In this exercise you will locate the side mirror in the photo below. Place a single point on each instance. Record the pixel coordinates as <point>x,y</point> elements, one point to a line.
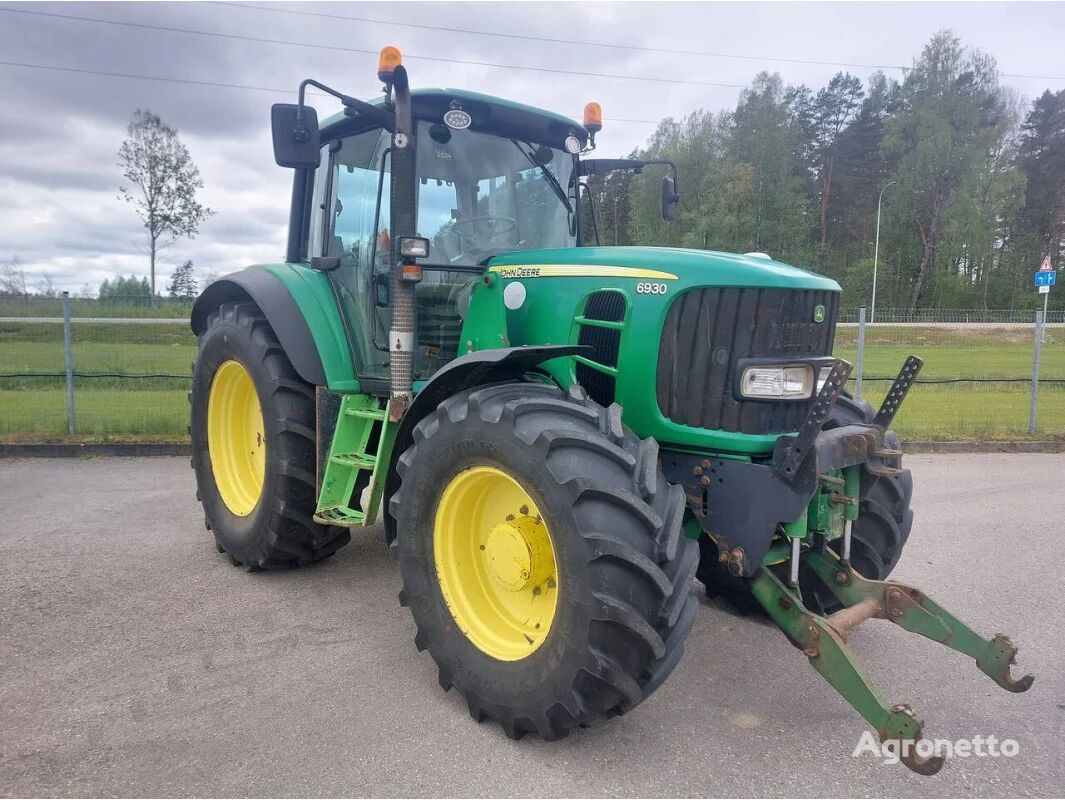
<point>669,199</point>
<point>296,137</point>
<point>380,286</point>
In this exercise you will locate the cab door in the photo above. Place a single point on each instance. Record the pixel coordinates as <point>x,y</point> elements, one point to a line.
<point>350,221</point>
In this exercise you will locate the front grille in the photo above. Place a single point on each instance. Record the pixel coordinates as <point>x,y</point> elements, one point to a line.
<point>708,330</point>
<point>608,306</point>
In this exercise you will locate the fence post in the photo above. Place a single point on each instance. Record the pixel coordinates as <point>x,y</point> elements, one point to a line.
<point>68,358</point>
<point>859,364</point>
<point>1037,346</point>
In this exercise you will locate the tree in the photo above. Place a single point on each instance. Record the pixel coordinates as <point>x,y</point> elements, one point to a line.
<point>164,184</point>
<point>833,108</point>
<point>125,289</point>
<point>183,283</point>
<point>12,279</point>
<point>953,114</point>
<point>768,133</point>
<point>1041,156</point>
<point>46,288</point>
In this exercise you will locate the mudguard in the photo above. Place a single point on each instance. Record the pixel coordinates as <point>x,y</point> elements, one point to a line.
<point>473,369</point>
<point>278,306</point>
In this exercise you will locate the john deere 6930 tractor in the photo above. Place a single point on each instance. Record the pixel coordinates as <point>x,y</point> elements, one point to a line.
<point>557,436</point>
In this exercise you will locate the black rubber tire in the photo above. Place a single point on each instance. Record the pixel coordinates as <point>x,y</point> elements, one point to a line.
<point>877,536</point>
<point>280,531</point>
<point>625,601</point>
<point>884,514</point>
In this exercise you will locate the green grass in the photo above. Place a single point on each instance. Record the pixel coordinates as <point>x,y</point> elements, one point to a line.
<point>102,414</point>
<point>982,412</point>
<point>33,409</point>
<point>53,307</point>
<point>999,353</point>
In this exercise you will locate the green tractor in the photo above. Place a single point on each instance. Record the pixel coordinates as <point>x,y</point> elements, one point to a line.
<point>444,351</point>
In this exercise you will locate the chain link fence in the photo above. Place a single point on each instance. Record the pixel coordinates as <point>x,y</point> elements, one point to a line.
<point>129,375</point>
<point>124,307</point>
<point>951,316</point>
<point>978,380</point>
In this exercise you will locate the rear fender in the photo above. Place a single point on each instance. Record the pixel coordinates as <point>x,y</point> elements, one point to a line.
<point>299,305</point>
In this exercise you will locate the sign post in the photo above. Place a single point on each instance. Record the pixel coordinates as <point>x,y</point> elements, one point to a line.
<point>1045,277</point>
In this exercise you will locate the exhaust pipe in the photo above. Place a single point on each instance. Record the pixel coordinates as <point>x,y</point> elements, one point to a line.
<point>401,327</point>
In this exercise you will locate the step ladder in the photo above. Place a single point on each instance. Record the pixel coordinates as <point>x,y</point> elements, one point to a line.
<point>362,442</point>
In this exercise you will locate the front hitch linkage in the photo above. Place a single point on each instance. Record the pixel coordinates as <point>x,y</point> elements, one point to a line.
<point>824,641</point>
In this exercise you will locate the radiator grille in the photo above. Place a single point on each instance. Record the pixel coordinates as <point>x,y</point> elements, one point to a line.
<point>708,330</point>
<point>608,306</point>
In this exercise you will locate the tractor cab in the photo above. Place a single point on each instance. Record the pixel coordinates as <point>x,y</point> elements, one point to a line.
<point>490,177</point>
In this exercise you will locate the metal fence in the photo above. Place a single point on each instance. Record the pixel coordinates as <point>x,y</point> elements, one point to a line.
<point>127,378</point>
<point>94,377</point>
<point>990,379</point>
<point>40,306</point>
<point>952,316</point>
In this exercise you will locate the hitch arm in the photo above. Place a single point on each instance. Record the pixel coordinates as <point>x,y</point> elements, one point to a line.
<point>829,655</point>
<point>897,393</point>
<point>912,610</point>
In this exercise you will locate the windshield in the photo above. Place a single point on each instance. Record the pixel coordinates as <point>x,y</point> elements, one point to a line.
<point>480,195</point>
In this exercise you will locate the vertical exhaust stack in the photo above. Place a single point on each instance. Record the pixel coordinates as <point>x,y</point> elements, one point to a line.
<point>401,328</point>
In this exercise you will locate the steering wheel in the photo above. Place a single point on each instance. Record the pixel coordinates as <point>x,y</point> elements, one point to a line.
<point>477,233</point>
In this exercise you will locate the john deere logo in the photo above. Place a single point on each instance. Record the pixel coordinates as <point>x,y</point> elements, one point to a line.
<point>819,313</point>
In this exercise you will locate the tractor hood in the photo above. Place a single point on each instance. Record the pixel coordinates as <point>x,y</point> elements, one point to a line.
<point>689,267</point>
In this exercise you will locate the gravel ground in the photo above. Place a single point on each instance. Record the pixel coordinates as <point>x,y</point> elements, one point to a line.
<point>137,661</point>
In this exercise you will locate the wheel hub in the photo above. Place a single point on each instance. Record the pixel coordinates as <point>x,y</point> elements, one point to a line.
<point>495,562</point>
<point>519,554</point>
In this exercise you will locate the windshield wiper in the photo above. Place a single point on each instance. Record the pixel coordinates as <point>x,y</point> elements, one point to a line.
<point>548,174</point>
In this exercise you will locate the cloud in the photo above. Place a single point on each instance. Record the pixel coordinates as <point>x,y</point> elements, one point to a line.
<point>59,131</point>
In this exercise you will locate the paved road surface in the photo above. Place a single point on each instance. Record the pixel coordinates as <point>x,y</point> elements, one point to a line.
<point>134,660</point>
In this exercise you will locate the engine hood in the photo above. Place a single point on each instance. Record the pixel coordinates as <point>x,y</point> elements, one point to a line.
<point>691,267</point>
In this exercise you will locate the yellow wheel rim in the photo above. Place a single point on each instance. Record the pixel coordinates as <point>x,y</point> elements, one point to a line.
<point>236,440</point>
<point>495,563</point>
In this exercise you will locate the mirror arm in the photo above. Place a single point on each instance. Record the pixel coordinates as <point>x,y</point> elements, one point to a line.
<point>381,116</point>
<point>672,168</point>
<point>598,166</point>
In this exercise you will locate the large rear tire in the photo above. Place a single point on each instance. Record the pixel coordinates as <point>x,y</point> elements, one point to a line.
<point>568,608</point>
<point>253,445</point>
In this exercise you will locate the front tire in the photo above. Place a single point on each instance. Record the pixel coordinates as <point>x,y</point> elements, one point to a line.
<point>614,605</point>
<point>253,445</point>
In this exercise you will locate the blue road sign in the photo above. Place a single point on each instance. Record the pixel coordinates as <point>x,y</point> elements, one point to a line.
<point>1046,278</point>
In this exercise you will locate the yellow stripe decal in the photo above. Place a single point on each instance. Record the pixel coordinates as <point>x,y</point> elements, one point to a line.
<point>580,271</point>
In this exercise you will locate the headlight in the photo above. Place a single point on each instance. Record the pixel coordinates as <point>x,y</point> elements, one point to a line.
<point>783,383</point>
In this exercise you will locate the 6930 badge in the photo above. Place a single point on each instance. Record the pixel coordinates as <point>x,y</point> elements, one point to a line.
<point>644,287</point>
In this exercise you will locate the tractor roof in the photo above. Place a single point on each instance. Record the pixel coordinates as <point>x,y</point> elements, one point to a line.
<point>491,114</point>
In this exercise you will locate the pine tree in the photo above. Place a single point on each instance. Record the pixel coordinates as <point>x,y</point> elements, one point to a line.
<point>183,284</point>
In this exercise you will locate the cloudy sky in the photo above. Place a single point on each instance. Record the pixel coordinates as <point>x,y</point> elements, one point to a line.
<point>59,130</point>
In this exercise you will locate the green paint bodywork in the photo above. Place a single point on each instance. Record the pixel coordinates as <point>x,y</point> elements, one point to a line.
<point>550,315</point>
<point>362,443</point>
<point>552,303</point>
<point>313,294</point>
<point>824,640</point>
<point>472,98</point>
